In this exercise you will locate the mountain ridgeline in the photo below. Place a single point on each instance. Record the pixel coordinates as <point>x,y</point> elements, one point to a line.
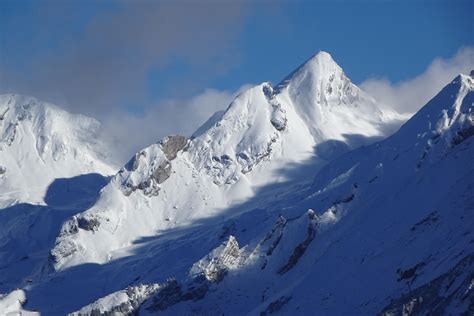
<point>307,197</point>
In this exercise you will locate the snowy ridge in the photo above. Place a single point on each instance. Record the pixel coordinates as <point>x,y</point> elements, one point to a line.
<point>225,161</point>
<point>39,143</point>
<point>124,302</point>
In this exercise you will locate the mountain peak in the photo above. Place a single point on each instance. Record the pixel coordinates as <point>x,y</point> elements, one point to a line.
<point>322,57</point>
<point>321,67</point>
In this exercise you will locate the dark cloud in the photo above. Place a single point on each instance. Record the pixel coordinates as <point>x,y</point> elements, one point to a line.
<point>105,61</point>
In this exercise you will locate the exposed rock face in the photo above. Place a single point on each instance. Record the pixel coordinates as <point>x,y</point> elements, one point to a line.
<point>88,222</point>
<point>173,292</point>
<point>162,173</point>
<point>171,145</point>
<point>275,235</point>
<point>210,269</point>
<point>301,248</point>
<point>151,167</point>
<point>9,133</point>
<point>170,295</point>
<point>62,250</point>
<point>65,248</point>
<point>124,302</point>
<point>278,118</point>
<point>465,132</point>
<point>276,306</point>
<point>450,294</point>
<point>249,162</point>
<point>215,265</point>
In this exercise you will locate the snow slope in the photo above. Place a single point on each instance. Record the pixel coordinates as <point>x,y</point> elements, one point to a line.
<point>52,165</point>
<point>384,229</point>
<point>40,143</point>
<point>312,116</point>
<point>11,304</point>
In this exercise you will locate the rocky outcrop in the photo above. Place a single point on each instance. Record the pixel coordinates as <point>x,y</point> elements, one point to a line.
<point>151,167</point>
<point>300,249</point>
<point>3,170</point>
<point>125,302</point>
<point>3,113</point>
<point>450,294</point>
<point>248,162</point>
<point>278,118</point>
<point>276,305</point>
<point>62,250</point>
<point>9,133</point>
<point>464,133</point>
<point>65,247</point>
<point>171,145</point>
<point>173,292</point>
<point>210,269</point>
<point>275,235</point>
<point>216,264</point>
<point>88,222</point>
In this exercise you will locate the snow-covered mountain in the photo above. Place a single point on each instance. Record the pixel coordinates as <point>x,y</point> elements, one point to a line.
<point>39,143</point>
<point>52,165</point>
<point>385,229</point>
<point>313,115</point>
<point>288,202</point>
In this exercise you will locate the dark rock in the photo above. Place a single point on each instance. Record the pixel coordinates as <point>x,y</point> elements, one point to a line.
<point>299,251</point>
<point>172,145</point>
<point>170,295</point>
<point>276,306</point>
<point>452,291</point>
<point>86,223</point>
<point>163,172</point>
<point>136,296</point>
<point>462,135</point>
<point>432,218</point>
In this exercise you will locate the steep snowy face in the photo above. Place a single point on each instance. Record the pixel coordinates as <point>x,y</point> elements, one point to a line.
<point>329,103</point>
<point>395,216</point>
<point>253,129</point>
<point>315,115</point>
<point>447,119</point>
<point>39,143</point>
<point>314,111</point>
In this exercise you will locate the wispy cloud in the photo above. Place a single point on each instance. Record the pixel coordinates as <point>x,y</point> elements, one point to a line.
<point>128,133</point>
<point>410,95</point>
<point>105,63</point>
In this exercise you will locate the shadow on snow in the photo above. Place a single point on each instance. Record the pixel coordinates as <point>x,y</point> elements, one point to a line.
<point>69,290</point>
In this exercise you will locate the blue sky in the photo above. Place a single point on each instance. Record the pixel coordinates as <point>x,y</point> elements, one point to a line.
<point>155,58</point>
<point>393,39</point>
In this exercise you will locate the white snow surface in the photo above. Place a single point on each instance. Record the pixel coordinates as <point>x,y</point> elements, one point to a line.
<point>39,143</point>
<point>312,117</point>
<point>11,304</point>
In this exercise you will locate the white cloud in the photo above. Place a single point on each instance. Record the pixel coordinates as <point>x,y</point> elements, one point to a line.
<point>410,95</point>
<point>128,133</point>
